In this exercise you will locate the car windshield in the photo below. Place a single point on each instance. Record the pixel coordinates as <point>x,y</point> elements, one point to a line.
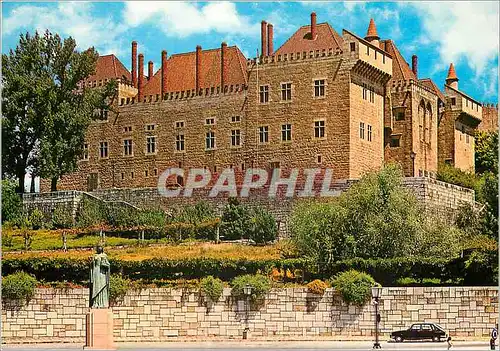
<point>439,327</point>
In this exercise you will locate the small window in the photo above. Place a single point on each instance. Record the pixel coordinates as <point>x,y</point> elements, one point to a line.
<point>275,165</point>
<point>151,144</point>
<point>103,149</point>
<point>85,155</point>
<point>319,129</point>
<point>453,101</point>
<point>319,87</point>
<point>209,121</point>
<point>448,161</point>
<point>123,175</point>
<point>399,116</point>
<point>127,129</point>
<point>146,173</point>
<point>372,94</point>
<point>179,142</point>
<point>235,137</point>
<point>353,46</point>
<point>362,130</point>
<point>179,124</point>
<point>286,91</point>
<point>210,140</point>
<point>467,138</point>
<point>155,172</point>
<point>127,147</point>
<point>369,133</point>
<point>263,134</point>
<point>365,92</point>
<point>368,50</point>
<point>132,175</point>
<point>264,94</point>
<point>395,141</point>
<point>286,132</point>
<point>235,119</point>
<point>150,127</point>
<point>318,159</point>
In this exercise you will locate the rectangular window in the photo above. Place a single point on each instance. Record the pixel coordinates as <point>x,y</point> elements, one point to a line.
<point>179,124</point>
<point>85,155</point>
<point>210,140</point>
<point>372,95</point>
<point>368,50</point>
<point>103,149</point>
<point>209,121</point>
<point>365,92</point>
<point>151,144</point>
<point>453,101</point>
<point>235,119</point>
<point>286,132</point>
<point>264,94</point>
<point>235,137</point>
<point>395,141</point>
<point>467,138</point>
<point>179,142</point>
<point>318,159</point>
<point>319,87</point>
<point>146,173</point>
<point>319,129</point>
<point>353,46</point>
<point>150,127</point>
<point>286,91</point>
<point>369,133</point>
<point>127,147</point>
<point>399,116</point>
<point>361,130</point>
<point>275,165</point>
<point>263,134</point>
<point>127,129</point>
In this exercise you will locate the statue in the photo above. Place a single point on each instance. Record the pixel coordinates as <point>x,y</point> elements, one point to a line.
<point>99,280</point>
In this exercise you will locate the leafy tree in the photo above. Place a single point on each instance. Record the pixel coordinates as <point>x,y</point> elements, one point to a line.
<point>11,202</point>
<point>236,220</point>
<point>449,174</point>
<point>486,152</point>
<point>263,226</point>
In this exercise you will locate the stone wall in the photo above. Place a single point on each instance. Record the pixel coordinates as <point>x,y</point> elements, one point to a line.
<point>165,314</point>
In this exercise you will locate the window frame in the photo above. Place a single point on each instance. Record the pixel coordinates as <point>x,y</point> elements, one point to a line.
<point>210,136</point>
<point>129,147</point>
<point>319,88</point>
<point>319,125</point>
<point>286,131</point>
<point>235,138</point>
<point>103,146</point>
<point>148,143</point>
<point>286,91</point>
<point>180,142</point>
<point>264,92</point>
<point>263,134</point>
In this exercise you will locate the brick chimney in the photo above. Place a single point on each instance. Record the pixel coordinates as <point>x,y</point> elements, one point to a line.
<point>163,74</point>
<point>140,78</point>
<point>223,66</point>
<point>414,65</point>
<point>150,70</point>
<point>313,26</point>
<point>263,38</point>
<point>134,64</point>
<point>270,35</point>
<point>198,69</point>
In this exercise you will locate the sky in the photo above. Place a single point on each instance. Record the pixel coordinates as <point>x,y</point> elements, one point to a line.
<point>465,33</point>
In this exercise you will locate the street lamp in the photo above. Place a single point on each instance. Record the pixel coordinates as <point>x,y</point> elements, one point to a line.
<point>376,292</point>
<point>412,156</point>
<point>247,290</point>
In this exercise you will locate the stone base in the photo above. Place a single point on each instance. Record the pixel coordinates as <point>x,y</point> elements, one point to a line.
<point>99,330</point>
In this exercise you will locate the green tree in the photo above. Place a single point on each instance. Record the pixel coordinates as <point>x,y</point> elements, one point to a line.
<point>236,221</point>
<point>12,204</point>
<point>263,227</point>
<point>486,152</point>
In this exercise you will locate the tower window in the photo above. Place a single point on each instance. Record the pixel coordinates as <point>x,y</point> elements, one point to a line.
<point>362,130</point>
<point>353,46</point>
<point>369,133</point>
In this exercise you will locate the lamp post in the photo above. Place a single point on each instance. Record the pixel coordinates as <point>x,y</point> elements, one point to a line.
<point>412,156</point>
<point>247,290</point>
<point>376,292</point>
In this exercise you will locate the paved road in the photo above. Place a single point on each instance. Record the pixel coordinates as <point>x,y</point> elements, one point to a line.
<point>265,346</point>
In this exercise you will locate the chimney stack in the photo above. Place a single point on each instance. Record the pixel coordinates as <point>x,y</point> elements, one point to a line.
<point>263,38</point>
<point>140,79</point>
<point>134,64</point>
<point>198,69</point>
<point>270,35</point>
<point>223,66</point>
<point>163,74</point>
<point>414,65</point>
<point>150,70</point>
<point>313,25</point>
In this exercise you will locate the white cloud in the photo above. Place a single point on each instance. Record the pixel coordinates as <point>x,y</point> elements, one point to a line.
<point>463,31</point>
<point>182,19</point>
<point>67,19</point>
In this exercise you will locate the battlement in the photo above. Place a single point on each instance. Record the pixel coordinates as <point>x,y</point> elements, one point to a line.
<point>298,56</point>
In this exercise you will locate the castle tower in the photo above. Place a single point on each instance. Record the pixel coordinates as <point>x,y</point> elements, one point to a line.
<point>452,79</point>
<point>371,34</point>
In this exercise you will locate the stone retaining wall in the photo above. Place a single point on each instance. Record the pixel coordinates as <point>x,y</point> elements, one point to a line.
<point>166,314</point>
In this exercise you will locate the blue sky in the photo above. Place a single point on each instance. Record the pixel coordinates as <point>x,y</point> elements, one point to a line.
<point>465,33</point>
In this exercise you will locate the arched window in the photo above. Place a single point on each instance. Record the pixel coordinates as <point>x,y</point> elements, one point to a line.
<point>428,125</point>
<point>421,120</point>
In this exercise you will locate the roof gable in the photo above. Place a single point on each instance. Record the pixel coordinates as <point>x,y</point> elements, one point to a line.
<point>400,68</point>
<point>431,85</point>
<point>109,67</point>
<point>301,41</point>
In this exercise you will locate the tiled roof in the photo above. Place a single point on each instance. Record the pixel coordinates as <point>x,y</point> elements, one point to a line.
<point>452,74</point>
<point>301,41</point>
<point>372,30</point>
<point>109,67</point>
<point>430,84</point>
<point>400,68</point>
<point>181,70</point>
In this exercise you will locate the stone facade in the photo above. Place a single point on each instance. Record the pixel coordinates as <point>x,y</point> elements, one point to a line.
<point>166,314</point>
<point>490,118</point>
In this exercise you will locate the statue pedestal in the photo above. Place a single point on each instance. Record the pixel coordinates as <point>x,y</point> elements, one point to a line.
<point>99,330</point>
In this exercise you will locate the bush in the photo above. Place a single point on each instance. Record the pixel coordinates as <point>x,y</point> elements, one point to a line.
<point>212,288</point>
<point>37,219</point>
<point>62,217</point>
<point>317,287</point>
<point>263,227</point>
<point>118,287</point>
<point>18,287</point>
<point>122,216</point>
<point>355,287</point>
<point>236,221</point>
<point>260,286</point>
<point>91,213</point>
<point>449,174</point>
<point>12,204</point>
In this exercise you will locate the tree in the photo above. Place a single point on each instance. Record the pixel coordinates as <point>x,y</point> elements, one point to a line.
<point>263,227</point>
<point>486,152</point>
<point>12,205</point>
<point>236,222</point>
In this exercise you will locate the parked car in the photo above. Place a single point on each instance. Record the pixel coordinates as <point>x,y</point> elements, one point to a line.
<point>420,331</point>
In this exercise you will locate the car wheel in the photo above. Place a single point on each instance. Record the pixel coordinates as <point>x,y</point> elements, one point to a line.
<point>436,338</point>
<point>398,339</point>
